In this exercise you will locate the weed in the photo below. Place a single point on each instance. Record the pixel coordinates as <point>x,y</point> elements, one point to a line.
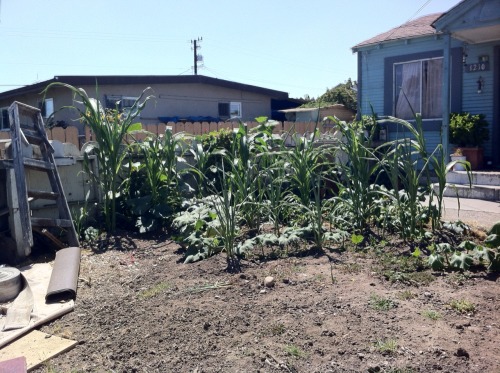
<point>294,351</point>
<point>379,303</point>
<point>201,288</point>
<point>277,329</point>
<point>387,346</point>
<point>462,306</point>
<point>406,295</point>
<point>154,291</point>
<point>431,314</point>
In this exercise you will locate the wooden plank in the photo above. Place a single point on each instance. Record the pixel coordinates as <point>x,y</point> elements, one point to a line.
<point>88,134</point>
<point>214,126</point>
<point>196,128</point>
<point>20,224</point>
<point>71,133</point>
<point>48,222</point>
<point>205,128</point>
<point>59,134</point>
<point>55,241</point>
<point>37,347</point>
<point>38,165</point>
<point>188,128</point>
<point>160,128</point>
<point>42,194</point>
<point>6,164</point>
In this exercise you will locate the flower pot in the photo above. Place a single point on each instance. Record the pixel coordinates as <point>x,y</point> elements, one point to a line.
<point>475,157</point>
<point>458,166</point>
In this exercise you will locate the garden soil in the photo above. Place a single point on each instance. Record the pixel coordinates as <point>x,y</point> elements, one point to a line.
<point>140,309</point>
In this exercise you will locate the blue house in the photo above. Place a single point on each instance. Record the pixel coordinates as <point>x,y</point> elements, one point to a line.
<point>438,64</point>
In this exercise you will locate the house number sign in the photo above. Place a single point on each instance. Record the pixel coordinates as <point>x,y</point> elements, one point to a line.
<point>480,66</point>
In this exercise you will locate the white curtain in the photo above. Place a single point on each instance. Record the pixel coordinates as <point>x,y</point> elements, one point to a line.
<point>408,94</point>
<point>432,87</point>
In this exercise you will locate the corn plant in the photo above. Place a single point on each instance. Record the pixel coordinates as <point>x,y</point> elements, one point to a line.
<point>226,208</point>
<point>303,164</point>
<point>110,128</point>
<point>407,165</point>
<point>156,193</point>
<point>357,173</point>
<point>204,171</point>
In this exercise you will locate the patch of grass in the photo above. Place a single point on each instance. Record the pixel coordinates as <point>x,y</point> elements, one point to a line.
<point>406,295</point>
<point>431,314</point>
<point>387,346</point>
<point>408,270</point>
<point>462,306</point>
<point>457,278</point>
<point>277,329</point>
<point>294,351</point>
<point>154,291</point>
<point>379,303</point>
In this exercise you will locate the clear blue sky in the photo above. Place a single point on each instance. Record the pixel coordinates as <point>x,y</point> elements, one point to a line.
<point>297,46</point>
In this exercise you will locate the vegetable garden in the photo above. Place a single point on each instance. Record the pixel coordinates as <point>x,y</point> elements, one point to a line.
<point>235,251</point>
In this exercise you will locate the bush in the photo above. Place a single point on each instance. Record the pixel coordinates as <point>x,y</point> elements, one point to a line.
<point>468,130</point>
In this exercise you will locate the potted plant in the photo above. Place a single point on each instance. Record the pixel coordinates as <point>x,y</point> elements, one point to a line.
<point>459,158</point>
<point>469,132</point>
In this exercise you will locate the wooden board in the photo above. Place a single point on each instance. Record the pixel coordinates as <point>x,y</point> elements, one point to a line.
<point>37,347</point>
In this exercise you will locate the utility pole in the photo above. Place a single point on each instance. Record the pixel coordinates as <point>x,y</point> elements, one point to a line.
<point>195,54</point>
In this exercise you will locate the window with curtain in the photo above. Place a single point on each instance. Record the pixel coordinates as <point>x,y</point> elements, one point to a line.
<point>417,88</point>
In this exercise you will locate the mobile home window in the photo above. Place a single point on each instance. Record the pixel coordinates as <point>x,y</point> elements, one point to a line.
<point>230,109</point>
<point>122,103</point>
<point>418,87</point>
<point>4,119</point>
<point>47,107</point>
<point>235,109</point>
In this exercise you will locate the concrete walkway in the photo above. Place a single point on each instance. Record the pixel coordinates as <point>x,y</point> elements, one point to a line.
<point>475,212</point>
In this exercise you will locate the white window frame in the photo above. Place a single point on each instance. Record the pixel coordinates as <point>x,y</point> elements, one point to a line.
<point>421,94</point>
<point>47,107</point>
<point>235,109</point>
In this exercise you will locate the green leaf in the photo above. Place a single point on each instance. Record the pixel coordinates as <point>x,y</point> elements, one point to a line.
<point>134,127</point>
<point>199,224</point>
<point>436,261</point>
<point>467,246</point>
<point>357,239</point>
<point>444,248</point>
<point>493,240</point>
<point>416,253</point>
<point>484,254</point>
<point>461,261</point>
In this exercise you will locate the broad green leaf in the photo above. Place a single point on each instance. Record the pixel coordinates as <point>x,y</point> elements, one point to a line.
<point>461,261</point>
<point>134,127</point>
<point>436,261</point>
<point>467,246</point>
<point>493,240</point>
<point>357,239</point>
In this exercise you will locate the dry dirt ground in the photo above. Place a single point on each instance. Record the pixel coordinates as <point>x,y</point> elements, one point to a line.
<point>140,309</point>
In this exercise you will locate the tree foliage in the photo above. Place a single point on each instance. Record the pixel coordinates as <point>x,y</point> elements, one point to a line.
<point>342,93</point>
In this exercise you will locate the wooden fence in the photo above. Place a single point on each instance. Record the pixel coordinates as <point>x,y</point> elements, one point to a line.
<point>70,133</point>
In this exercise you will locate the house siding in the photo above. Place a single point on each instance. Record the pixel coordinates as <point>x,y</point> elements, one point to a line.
<point>174,99</point>
<point>377,88</point>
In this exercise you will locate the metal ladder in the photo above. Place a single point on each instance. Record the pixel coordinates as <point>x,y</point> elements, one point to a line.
<point>27,127</point>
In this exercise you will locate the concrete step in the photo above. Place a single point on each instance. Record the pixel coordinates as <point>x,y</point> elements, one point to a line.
<point>478,177</point>
<point>484,192</point>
